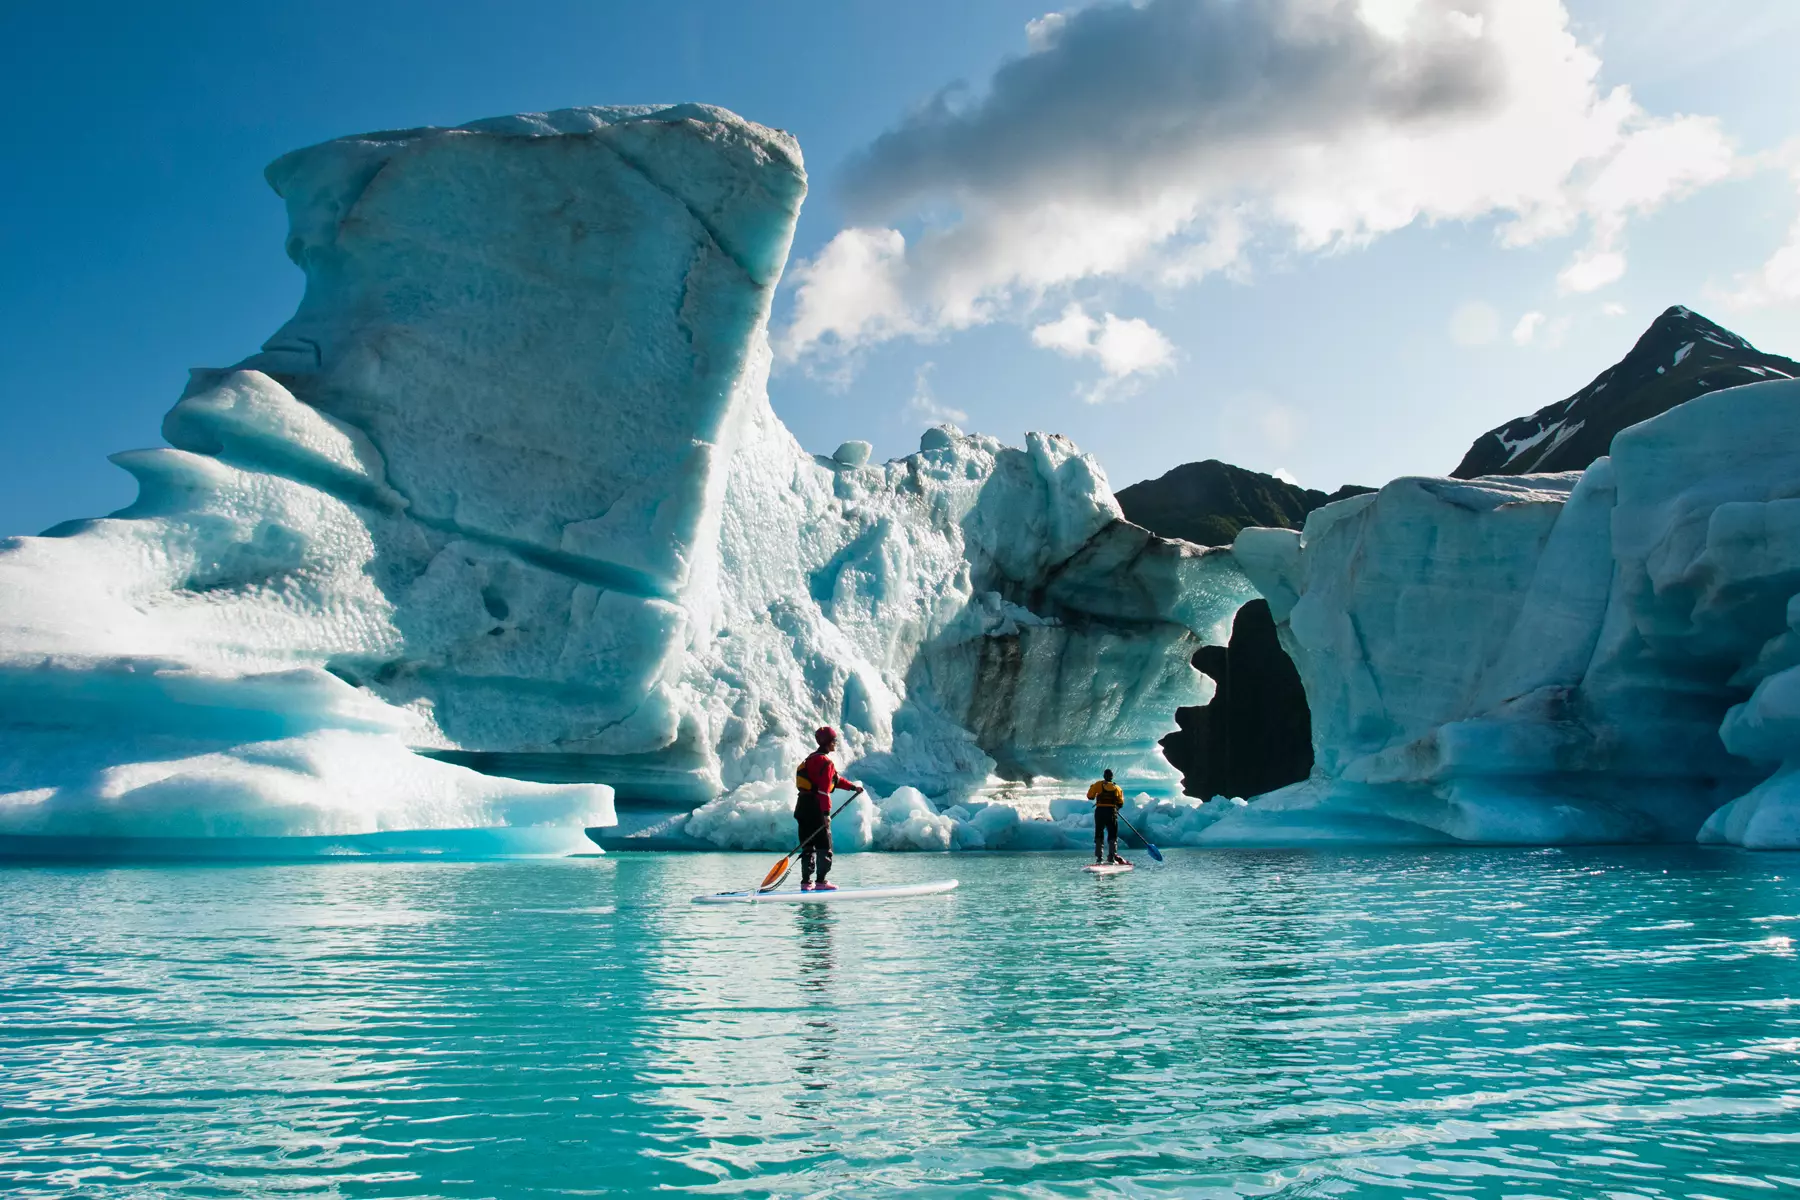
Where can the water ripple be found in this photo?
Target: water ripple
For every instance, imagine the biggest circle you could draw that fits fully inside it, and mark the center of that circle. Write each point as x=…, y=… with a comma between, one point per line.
x=1418, y=1023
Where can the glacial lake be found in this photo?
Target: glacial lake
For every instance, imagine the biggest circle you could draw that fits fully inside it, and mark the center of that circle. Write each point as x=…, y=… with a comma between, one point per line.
x=1432, y=1023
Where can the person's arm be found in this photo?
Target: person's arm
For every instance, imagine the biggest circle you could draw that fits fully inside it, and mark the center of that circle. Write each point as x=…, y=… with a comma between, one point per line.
x=1093, y=791
x=841, y=784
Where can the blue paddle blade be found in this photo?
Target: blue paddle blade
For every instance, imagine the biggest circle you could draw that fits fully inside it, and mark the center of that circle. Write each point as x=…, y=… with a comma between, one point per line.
x=1154, y=852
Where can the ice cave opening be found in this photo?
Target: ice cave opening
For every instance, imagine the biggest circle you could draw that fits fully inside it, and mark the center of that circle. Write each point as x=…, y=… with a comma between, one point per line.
x=1256, y=733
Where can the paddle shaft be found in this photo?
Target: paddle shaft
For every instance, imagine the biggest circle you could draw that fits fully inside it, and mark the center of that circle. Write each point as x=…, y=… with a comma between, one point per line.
x=1148, y=844
x=780, y=870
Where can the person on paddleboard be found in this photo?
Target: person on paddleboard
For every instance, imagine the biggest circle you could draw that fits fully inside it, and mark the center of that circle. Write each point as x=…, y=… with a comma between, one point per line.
x=1108, y=798
x=816, y=779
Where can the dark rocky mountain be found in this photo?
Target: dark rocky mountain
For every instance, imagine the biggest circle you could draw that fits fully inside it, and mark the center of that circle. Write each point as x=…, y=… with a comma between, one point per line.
x=1208, y=502
x=1681, y=355
x=1256, y=735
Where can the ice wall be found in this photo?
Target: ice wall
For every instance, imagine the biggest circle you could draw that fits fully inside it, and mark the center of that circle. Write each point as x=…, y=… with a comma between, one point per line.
x=1554, y=658
x=968, y=615
x=500, y=527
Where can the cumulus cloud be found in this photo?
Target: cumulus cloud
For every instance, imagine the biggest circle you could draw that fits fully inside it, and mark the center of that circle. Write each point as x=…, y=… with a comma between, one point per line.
x=1163, y=141
x=1123, y=346
x=1527, y=328
x=1777, y=281
x=1592, y=270
x=924, y=401
x=1651, y=166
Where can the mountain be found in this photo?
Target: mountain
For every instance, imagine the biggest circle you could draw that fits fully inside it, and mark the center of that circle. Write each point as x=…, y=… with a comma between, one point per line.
x=1256, y=735
x=1208, y=502
x=1682, y=355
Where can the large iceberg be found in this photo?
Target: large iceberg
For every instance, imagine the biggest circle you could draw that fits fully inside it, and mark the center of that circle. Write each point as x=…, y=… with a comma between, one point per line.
x=1612, y=655
x=499, y=533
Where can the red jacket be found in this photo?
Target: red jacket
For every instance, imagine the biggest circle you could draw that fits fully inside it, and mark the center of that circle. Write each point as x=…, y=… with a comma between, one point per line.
x=817, y=778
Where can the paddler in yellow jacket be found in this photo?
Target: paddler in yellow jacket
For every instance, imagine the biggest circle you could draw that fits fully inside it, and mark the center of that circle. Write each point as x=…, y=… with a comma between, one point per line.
x=1108, y=798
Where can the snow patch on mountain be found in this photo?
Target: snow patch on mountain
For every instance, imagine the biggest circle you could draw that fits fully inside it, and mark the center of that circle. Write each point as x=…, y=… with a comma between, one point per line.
x=1681, y=355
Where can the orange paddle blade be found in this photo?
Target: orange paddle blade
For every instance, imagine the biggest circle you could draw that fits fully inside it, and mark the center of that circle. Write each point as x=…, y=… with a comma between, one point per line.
x=775, y=875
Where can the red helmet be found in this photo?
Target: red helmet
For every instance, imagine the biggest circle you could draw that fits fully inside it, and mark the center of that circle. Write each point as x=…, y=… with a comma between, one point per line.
x=825, y=735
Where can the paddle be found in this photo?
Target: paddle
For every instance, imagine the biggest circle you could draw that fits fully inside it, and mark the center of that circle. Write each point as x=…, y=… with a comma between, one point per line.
x=780, y=870
x=1148, y=844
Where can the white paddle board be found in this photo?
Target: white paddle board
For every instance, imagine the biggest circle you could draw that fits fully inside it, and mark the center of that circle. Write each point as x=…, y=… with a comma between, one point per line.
x=892, y=891
x=1107, y=868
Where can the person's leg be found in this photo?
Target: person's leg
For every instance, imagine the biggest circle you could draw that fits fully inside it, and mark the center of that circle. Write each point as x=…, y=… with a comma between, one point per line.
x=1112, y=835
x=807, y=822
x=823, y=842
x=1099, y=833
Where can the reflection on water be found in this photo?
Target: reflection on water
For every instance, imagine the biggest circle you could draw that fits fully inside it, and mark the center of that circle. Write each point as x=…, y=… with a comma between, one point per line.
x=815, y=992
x=1431, y=1023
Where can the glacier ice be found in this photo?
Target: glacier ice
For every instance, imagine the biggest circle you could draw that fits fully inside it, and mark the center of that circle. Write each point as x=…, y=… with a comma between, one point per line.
x=758, y=816
x=1607, y=656
x=499, y=533
x=499, y=538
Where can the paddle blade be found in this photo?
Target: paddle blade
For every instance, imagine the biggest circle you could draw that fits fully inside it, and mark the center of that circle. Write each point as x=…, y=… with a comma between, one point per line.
x=776, y=874
x=1154, y=852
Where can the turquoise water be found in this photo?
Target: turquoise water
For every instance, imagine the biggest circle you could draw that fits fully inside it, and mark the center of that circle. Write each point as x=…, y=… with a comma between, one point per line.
x=1422, y=1023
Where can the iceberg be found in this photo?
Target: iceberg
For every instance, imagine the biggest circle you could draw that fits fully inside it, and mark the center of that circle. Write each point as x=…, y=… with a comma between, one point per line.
x=498, y=539
x=758, y=816
x=1607, y=656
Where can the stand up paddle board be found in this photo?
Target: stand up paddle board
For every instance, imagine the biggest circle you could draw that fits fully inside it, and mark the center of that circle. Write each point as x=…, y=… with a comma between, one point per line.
x=1107, y=868
x=893, y=891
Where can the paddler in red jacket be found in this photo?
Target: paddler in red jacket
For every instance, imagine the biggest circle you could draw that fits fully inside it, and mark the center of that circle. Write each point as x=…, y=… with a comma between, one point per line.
x=816, y=779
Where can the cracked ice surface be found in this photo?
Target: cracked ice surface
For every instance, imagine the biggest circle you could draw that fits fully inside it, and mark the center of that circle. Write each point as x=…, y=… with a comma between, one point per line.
x=507, y=489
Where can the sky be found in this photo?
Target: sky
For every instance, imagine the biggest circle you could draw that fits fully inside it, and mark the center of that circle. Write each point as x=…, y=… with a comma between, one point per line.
x=1335, y=239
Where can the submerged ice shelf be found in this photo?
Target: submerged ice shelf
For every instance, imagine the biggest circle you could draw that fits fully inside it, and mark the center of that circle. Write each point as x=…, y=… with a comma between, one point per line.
x=500, y=531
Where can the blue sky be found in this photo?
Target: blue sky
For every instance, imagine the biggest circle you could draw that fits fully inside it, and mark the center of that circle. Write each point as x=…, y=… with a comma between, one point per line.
x=1375, y=340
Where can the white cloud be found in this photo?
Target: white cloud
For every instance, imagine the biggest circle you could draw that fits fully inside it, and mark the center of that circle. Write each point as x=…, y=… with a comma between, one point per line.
x=1123, y=346
x=1474, y=324
x=1660, y=162
x=1534, y=328
x=1777, y=281
x=1040, y=33
x=1612, y=308
x=1592, y=270
x=1286, y=476
x=1162, y=141
x=852, y=290
x=924, y=401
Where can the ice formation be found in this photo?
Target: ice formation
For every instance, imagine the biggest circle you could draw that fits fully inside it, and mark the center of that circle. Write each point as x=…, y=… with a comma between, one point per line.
x=500, y=528
x=758, y=816
x=1609, y=656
